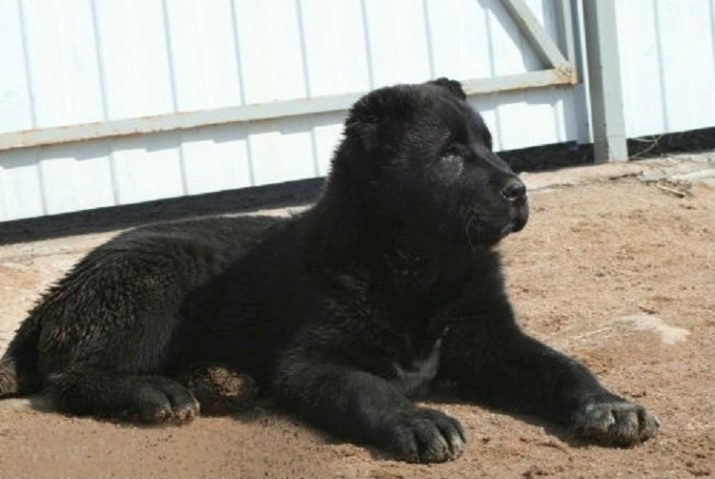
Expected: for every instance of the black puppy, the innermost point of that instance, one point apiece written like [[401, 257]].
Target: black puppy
[[388, 284]]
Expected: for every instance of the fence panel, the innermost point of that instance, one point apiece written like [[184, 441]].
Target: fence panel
[[73, 62]]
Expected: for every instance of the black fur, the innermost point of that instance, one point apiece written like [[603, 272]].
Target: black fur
[[341, 314]]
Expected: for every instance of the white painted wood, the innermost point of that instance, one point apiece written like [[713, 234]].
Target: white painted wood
[[526, 122], [512, 53], [107, 60], [54, 180], [335, 53], [457, 38], [133, 51], [60, 184], [273, 68], [270, 50], [201, 39], [668, 65], [398, 41], [62, 62], [532, 28], [281, 150], [688, 67], [643, 101], [147, 168], [94, 171], [75, 177], [205, 74], [522, 118], [21, 187], [215, 159], [15, 95]]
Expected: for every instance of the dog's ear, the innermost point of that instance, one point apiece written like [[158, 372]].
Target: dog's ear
[[453, 86], [374, 115]]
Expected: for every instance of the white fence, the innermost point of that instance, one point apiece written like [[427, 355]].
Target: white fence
[[76, 62], [667, 60]]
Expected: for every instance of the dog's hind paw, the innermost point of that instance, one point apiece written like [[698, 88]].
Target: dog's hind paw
[[219, 389]]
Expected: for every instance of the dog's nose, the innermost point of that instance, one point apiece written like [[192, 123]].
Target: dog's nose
[[514, 191]]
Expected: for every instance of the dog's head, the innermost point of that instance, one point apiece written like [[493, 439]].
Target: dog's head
[[423, 159]]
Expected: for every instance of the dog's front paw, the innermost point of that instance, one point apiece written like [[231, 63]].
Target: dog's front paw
[[425, 435], [615, 422]]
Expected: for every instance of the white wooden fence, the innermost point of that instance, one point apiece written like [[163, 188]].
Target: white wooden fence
[[98, 63]]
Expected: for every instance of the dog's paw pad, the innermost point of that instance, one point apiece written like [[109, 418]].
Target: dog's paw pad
[[615, 423], [425, 435], [159, 400]]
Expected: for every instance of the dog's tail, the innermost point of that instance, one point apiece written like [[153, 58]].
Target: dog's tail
[[19, 374]]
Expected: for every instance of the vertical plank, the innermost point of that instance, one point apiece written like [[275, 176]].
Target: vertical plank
[[15, 98], [23, 195], [94, 169], [517, 120], [215, 159], [201, 41], [146, 167], [62, 62], [281, 150], [398, 42], [337, 66], [643, 95], [561, 101], [269, 43], [60, 185], [134, 57], [336, 58], [487, 106], [136, 75], [457, 38], [527, 118], [203, 57], [688, 69], [75, 176]]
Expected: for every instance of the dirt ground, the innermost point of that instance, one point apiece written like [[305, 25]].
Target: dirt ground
[[618, 272]]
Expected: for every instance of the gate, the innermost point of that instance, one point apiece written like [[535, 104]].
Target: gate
[[111, 102]]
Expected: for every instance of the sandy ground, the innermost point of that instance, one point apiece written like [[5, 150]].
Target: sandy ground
[[614, 270]]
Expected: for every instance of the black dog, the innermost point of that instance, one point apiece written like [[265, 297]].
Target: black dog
[[388, 284]]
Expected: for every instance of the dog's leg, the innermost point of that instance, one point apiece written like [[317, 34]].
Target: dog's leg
[[365, 408], [106, 336], [151, 399], [495, 363]]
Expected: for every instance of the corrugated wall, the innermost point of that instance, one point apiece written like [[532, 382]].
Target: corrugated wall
[[67, 62]]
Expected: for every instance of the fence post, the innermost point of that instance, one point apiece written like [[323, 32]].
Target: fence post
[[607, 120]]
